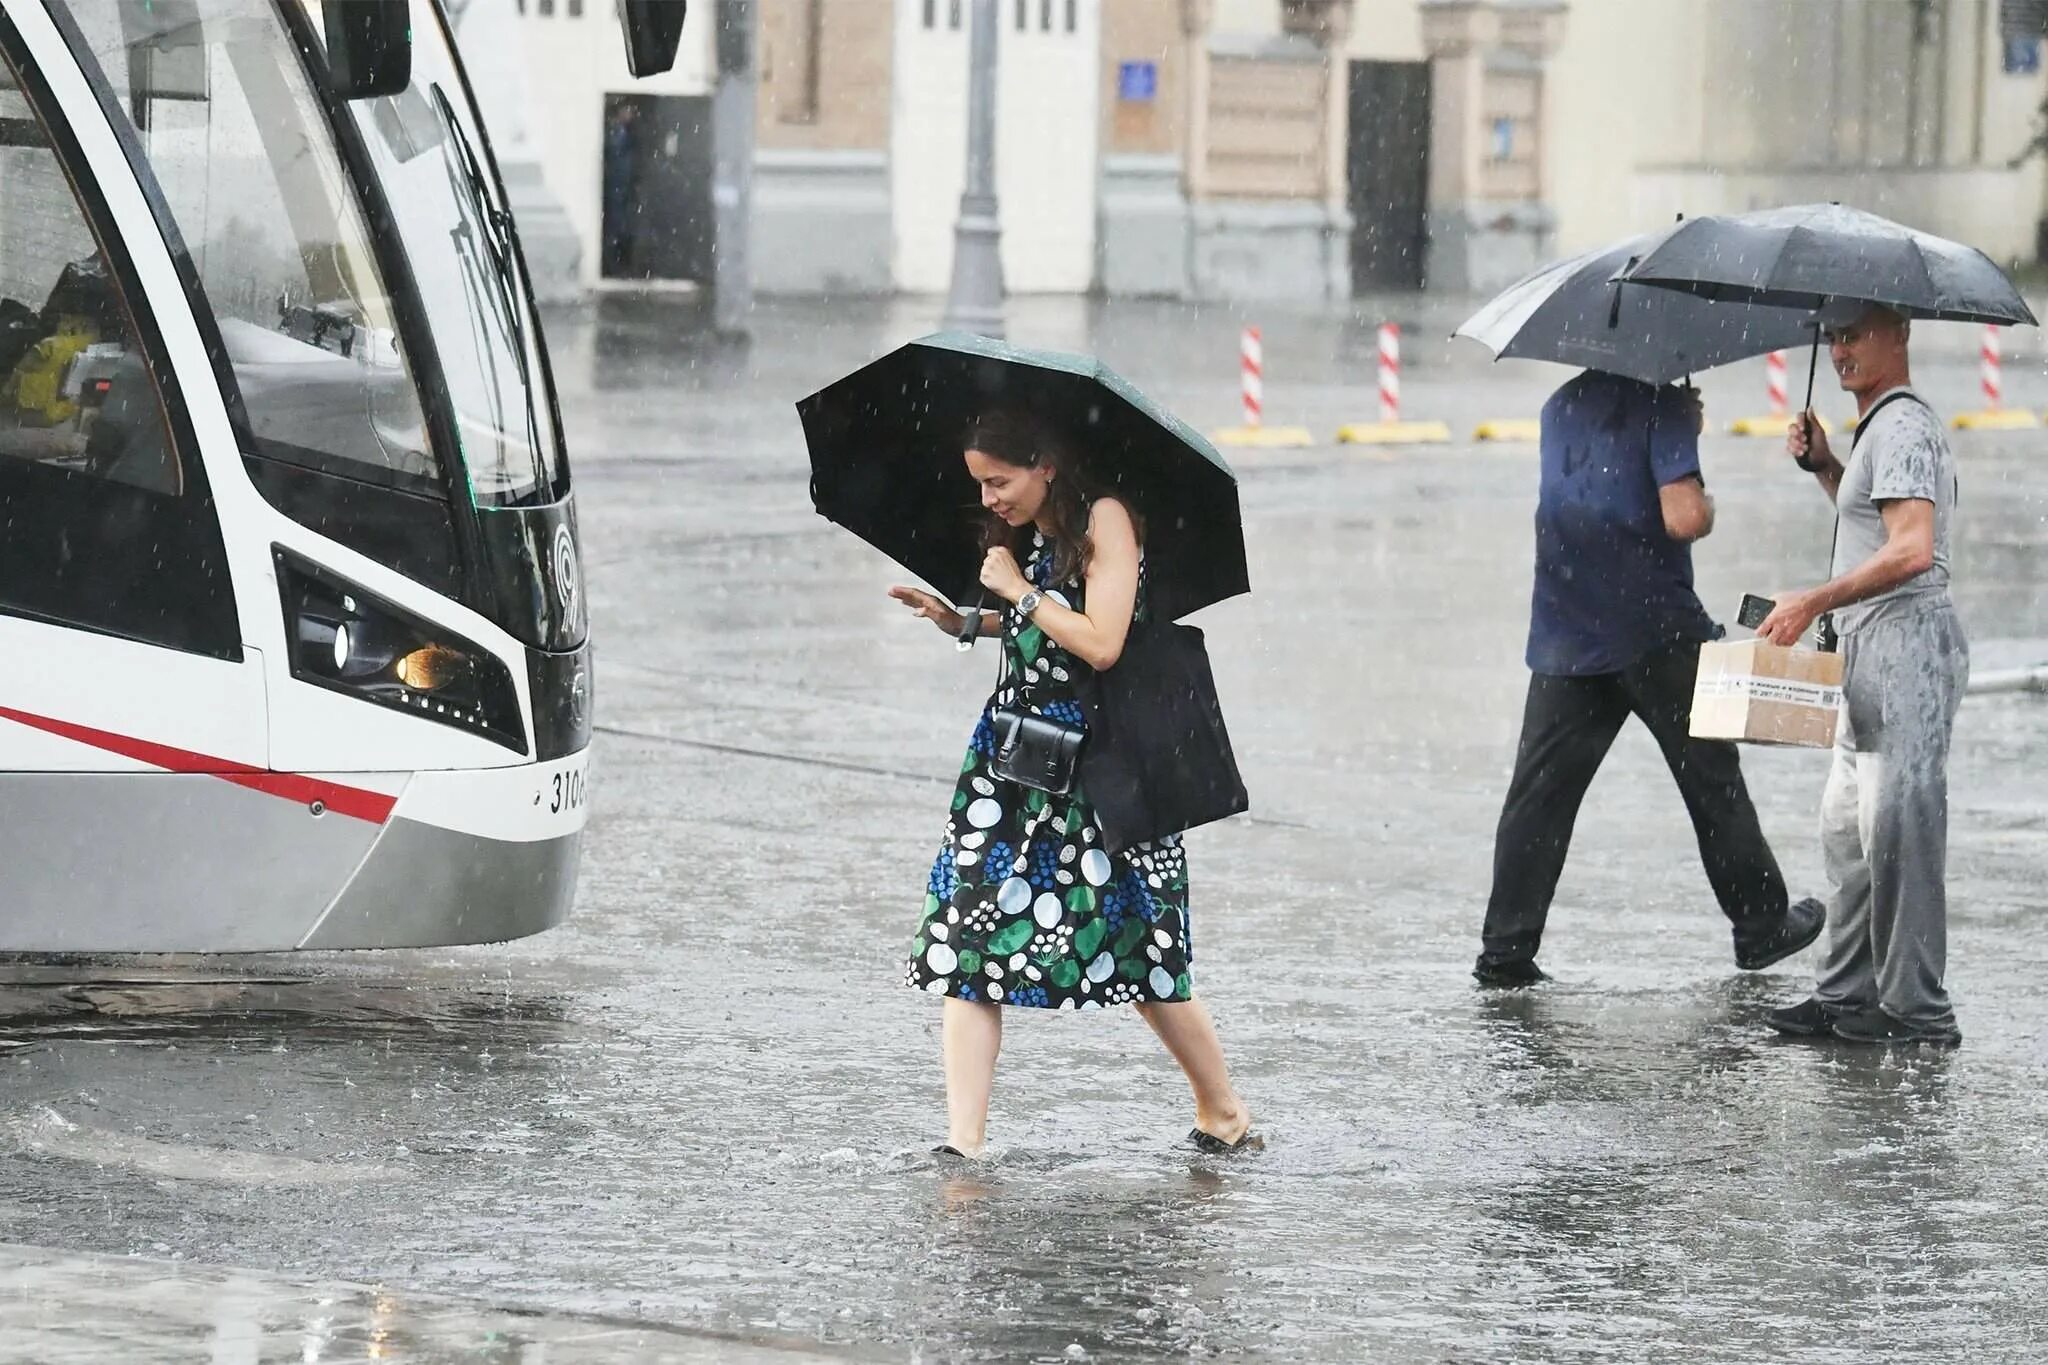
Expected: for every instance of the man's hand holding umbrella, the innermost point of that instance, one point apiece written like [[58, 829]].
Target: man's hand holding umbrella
[[1795, 612]]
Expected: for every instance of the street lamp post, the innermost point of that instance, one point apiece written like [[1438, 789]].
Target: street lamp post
[[732, 179], [975, 301]]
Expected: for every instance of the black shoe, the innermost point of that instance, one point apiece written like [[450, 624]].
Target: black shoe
[[1810, 1018], [1210, 1145], [1801, 926], [1876, 1028], [1508, 976]]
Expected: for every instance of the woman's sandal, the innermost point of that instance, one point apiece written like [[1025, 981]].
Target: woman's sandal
[[1211, 1145]]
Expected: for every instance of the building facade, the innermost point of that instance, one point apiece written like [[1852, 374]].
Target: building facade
[[1303, 150]]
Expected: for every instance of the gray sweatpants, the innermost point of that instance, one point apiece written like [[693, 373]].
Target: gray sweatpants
[[1884, 818]]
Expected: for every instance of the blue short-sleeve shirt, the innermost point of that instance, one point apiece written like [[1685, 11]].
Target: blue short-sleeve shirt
[[1611, 584]]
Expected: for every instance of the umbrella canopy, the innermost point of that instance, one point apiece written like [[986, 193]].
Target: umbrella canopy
[[1812, 255], [886, 463], [1578, 312]]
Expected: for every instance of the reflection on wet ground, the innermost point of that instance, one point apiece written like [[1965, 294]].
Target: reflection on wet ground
[[79, 1309], [704, 1101]]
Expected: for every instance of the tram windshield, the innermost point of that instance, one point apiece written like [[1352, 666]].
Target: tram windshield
[[237, 135], [428, 153], [234, 135]]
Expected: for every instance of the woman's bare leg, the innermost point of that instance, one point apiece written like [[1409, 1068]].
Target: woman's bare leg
[[1190, 1035], [971, 1035]]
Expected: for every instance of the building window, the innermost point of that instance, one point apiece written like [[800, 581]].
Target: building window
[[797, 66], [1045, 16], [1073, 16], [547, 9]]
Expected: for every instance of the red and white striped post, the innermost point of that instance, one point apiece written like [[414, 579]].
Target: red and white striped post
[[1774, 379], [1390, 372], [1252, 361], [1987, 370]]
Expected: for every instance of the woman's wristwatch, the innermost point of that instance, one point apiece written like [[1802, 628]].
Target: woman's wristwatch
[[1028, 603]]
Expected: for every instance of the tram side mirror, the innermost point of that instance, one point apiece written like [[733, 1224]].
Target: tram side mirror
[[654, 31], [369, 47]]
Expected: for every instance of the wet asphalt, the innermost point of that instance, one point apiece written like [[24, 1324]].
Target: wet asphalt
[[706, 1103]]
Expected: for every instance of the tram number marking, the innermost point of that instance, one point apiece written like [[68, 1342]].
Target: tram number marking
[[569, 789]]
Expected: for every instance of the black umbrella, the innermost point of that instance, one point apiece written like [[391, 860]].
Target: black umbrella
[[886, 463], [1821, 256], [1813, 255], [1579, 312]]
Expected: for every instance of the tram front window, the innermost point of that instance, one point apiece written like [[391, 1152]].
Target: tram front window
[[236, 138], [106, 519], [74, 393]]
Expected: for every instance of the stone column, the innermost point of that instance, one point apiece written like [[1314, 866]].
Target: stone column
[[1195, 18], [494, 51], [1328, 22], [1487, 227]]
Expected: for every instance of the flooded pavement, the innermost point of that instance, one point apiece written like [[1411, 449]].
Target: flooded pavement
[[77, 1308], [705, 1103]]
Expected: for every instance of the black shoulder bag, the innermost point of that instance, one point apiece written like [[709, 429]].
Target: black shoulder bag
[[1032, 750], [1159, 759]]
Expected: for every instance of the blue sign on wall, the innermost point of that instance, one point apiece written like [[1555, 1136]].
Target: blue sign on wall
[[2023, 55], [1137, 82]]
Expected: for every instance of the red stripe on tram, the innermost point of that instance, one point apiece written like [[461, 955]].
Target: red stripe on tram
[[355, 802]]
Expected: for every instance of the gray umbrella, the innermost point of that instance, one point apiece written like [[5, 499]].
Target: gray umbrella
[[1577, 312], [1812, 255]]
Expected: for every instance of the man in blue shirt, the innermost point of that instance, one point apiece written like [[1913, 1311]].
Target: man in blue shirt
[[1614, 630]]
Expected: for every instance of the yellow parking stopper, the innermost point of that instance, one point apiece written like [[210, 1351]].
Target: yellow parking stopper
[[1513, 429], [1996, 419], [1393, 434], [1264, 438], [1774, 426]]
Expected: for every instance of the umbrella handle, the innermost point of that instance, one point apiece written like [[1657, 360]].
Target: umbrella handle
[[1806, 413], [970, 624]]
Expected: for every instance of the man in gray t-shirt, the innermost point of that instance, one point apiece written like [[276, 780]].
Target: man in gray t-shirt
[[1884, 817]]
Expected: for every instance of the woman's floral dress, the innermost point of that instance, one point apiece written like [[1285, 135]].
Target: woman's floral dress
[[1024, 905]]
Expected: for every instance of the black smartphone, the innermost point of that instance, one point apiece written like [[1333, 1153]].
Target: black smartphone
[[1754, 610]]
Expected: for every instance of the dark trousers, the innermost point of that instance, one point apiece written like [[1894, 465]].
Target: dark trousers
[[1567, 728]]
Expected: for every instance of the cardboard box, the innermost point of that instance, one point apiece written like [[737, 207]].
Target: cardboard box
[[1760, 693]]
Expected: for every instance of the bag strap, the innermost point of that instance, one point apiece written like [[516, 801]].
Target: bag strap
[[1896, 395]]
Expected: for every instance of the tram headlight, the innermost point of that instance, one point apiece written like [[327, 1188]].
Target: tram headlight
[[352, 641], [432, 668]]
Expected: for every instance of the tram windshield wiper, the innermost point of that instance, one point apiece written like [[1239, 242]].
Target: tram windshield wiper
[[500, 261]]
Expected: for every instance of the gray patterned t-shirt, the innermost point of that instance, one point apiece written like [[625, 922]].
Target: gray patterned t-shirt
[[1902, 453]]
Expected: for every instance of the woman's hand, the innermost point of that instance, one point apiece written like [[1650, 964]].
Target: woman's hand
[[930, 608], [1001, 576]]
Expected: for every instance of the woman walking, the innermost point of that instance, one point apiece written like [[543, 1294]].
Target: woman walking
[[1026, 906]]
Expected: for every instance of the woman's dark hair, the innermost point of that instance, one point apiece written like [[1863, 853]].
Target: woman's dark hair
[[1019, 438]]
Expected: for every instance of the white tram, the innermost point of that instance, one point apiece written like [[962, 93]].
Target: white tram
[[293, 649]]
